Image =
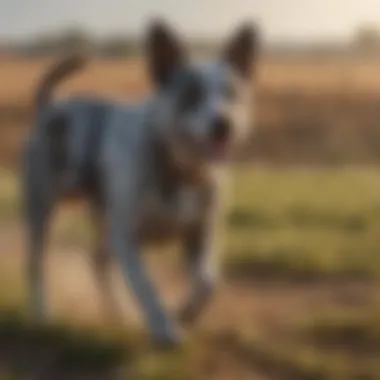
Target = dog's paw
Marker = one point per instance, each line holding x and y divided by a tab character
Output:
169	341
187	316
194	307
166	344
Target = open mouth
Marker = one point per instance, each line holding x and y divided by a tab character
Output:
219	140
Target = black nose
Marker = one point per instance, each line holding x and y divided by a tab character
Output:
220	129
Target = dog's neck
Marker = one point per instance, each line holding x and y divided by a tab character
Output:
171	172
166	174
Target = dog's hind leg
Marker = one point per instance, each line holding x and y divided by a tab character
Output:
37	189
101	265
128	255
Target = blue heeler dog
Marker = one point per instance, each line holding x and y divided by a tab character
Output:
148	170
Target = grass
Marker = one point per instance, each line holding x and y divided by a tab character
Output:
285	226
305	224
31	348
316	350
27	349
9	197
291	225
296	223
308	110
357	332
290	361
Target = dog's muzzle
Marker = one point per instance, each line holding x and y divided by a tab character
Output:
219	138
221	130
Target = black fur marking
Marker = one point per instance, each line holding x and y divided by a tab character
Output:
187	88
90	172
192	93
57	134
166	172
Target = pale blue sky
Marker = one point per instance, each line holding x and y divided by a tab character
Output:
303	20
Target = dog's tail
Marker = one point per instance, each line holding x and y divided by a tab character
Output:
56	74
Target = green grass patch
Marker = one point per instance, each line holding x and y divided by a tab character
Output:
297	355
356	332
289	358
9	197
65	351
27	348
300	224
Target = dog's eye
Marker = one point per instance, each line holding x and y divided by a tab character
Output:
191	96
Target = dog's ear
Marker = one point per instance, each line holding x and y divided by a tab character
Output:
165	52
242	48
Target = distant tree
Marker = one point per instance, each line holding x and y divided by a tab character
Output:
74	38
118	46
204	47
41	45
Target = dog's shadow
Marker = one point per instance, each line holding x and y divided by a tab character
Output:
50	352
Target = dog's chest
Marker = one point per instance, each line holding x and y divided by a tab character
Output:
162	219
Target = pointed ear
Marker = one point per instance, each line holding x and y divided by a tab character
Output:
165	52
241	50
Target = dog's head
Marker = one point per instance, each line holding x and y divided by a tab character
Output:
205	108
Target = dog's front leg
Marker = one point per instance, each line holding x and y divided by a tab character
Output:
124	241
202	254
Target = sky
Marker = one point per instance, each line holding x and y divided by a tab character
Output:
280	20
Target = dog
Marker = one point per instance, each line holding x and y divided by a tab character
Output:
157	162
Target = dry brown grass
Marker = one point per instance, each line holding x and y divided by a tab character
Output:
117	78
126	77
326	76
308	110
300	299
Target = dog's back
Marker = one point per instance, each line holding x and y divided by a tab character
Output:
68	133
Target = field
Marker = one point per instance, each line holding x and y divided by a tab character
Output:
300	298
308	111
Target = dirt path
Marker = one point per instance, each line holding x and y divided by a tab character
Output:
71	288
